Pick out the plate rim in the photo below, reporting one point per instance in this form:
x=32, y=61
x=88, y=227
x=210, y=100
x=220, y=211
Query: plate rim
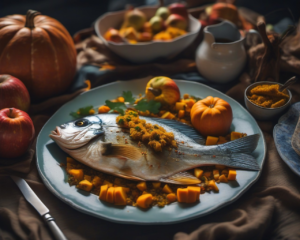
x=135, y=222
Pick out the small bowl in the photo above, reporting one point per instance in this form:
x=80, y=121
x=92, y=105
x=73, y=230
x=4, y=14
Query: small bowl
x=145, y=52
x=262, y=113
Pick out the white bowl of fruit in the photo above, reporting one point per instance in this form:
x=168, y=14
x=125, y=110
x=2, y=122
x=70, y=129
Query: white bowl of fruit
x=146, y=34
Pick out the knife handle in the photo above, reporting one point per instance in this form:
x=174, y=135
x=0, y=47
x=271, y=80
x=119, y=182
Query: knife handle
x=58, y=234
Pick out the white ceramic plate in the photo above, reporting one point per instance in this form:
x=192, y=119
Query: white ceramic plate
x=49, y=156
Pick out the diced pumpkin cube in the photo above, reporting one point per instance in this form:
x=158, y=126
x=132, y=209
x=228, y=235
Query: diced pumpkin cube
x=211, y=140
x=207, y=174
x=85, y=185
x=103, y=192
x=193, y=194
x=232, y=175
x=181, y=114
x=179, y=106
x=165, y=115
x=120, y=196
x=182, y=195
x=71, y=166
x=222, y=140
x=198, y=172
x=220, y=167
x=171, y=197
x=167, y=189
x=87, y=177
x=190, y=102
x=144, y=201
x=109, y=184
x=156, y=184
x=223, y=178
x=71, y=160
x=236, y=135
x=142, y=186
x=77, y=174
x=110, y=195
x=216, y=174
x=121, y=99
x=212, y=184
x=96, y=181
x=103, y=109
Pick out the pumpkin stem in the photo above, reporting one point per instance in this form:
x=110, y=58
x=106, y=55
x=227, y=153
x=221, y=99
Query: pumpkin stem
x=155, y=91
x=30, y=15
x=211, y=106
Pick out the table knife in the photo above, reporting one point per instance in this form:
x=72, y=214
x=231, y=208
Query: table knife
x=33, y=199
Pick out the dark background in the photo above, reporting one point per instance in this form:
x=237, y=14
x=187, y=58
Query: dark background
x=78, y=14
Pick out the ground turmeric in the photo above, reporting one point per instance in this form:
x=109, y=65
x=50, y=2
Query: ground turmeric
x=268, y=96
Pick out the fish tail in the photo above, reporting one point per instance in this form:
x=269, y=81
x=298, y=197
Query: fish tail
x=241, y=160
x=123, y=150
x=184, y=178
x=242, y=145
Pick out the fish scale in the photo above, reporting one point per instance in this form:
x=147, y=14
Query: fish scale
x=166, y=166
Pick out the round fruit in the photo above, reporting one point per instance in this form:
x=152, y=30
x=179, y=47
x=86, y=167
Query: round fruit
x=212, y=116
x=13, y=93
x=39, y=51
x=16, y=132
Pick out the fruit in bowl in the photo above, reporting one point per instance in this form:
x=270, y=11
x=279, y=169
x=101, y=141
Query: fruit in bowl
x=144, y=45
x=175, y=16
x=16, y=132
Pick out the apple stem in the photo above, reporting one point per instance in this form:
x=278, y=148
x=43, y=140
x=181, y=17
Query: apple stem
x=30, y=15
x=156, y=92
x=10, y=112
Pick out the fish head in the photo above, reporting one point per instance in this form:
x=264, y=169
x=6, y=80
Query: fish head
x=75, y=134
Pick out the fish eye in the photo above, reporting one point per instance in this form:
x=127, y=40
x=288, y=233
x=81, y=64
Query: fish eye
x=81, y=123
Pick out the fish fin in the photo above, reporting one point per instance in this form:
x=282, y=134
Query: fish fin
x=184, y=178
x=242, y=145
x=124, y=150
x=184, y=129
x=134, y=178
x=240, y=160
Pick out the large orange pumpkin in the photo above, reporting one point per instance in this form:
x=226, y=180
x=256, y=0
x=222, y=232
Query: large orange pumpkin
x=212, y=116
x=39, y=51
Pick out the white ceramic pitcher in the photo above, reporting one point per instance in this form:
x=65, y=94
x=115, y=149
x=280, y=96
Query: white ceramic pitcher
x=221, y=61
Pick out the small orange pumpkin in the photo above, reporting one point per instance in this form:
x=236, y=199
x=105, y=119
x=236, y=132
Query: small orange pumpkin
x=212, y=116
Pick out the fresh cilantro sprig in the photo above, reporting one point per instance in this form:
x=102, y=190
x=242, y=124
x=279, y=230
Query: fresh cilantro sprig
x=81, y=112
x=151, y=106
x=116, y=106
x=128, y=97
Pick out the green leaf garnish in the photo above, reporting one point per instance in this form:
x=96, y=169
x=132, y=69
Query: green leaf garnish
x=121, y=121
x=81, y=112
x=117, y=106
x=137, y=128
x=152, y=106
x=128, y=97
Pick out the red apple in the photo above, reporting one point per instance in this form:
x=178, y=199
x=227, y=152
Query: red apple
x=162, y=89
x=177, y=21
x=178, y=8
x=113, y=35
x=16, y=132
x=13, y=93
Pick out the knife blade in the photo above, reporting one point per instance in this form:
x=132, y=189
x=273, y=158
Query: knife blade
x=39, y=206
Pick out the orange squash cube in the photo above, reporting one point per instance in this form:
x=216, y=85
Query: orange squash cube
x=142, y=186
x=167, y=189
x=120, y=196
x=96, y=181
x=193, y=194
x=181, y=114
x=171, y=197
x=110, y=195
x=212, y=184
x=77, y=174
x=216, y=174
x=179, y=106
x=156, y=184
x=182, y=195
x=103, y=109
x=103, y=192
x=222, y=140
x=236, y=135
x=232, y=175
x=145, y=200
x=85, y=185
x=223, y=178
x=198, y=172
x=211, y=140
x=207, y=174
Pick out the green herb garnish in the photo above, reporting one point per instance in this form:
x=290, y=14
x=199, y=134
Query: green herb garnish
x=116, y=106
x=128, y=97
x=121, y=121
x=152, y=106
x=81, y=112
x=137, y=128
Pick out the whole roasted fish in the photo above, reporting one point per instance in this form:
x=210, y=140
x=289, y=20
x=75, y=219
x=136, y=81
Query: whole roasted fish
x=98, y=142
